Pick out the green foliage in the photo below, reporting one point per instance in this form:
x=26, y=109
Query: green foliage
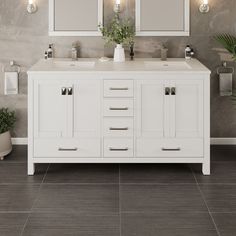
x=118, y=31
x=7, y=120
x=228, y=42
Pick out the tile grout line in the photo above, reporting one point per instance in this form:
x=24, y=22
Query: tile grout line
x=115, y=183
x=40, y=186
x=202, y=195
x=119, y=201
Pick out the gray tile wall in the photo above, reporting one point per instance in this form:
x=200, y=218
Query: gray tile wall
x=24, y=38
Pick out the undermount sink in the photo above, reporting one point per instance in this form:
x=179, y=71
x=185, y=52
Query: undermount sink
x=167, y=65
x=75, y=64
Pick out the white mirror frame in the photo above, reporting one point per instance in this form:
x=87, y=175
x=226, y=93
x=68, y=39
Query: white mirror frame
x=185, y=32
x=53, y=32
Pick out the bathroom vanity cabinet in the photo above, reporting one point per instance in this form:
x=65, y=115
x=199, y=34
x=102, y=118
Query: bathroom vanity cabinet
x=132, y=112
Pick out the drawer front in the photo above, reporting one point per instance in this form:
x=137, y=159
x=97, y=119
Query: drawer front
x=118, y=148
x=118, y=107
x=170, y=148
x=118, y=88
x=118, y=127
x=67, y=148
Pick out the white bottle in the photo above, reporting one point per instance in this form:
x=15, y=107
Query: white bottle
x=188, y=53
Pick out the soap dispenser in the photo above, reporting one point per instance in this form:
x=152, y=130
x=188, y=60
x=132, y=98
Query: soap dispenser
x=50, y=51
x=188, y=52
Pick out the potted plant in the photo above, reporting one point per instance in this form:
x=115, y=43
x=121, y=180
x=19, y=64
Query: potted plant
x=7, y=121
x=228, y=42
x=121, y=32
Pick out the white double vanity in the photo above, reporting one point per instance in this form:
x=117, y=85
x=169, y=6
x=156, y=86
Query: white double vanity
x=142, y=111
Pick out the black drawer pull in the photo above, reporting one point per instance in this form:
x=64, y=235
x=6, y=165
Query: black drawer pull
x=119, y=129
x=119, y=108
x=171, y=149
x=119, y=149
x=67, y=149
x=119, y=89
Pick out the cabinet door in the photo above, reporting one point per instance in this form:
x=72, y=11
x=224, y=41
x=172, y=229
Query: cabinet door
x=86, y=109
x=186, y=116
x=50, y=109
x=150, y=108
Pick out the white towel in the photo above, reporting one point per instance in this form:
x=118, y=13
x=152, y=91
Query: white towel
x=226, y=84
x=11, y=83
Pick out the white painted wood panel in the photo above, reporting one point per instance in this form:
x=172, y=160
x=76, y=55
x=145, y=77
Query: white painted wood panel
x=188, y=103
x=123, y=148
x=175, y=148
x=118, y=107
x=149, y=125
x=118, y=127
x=66, y=148
x=86, y=108
x=118, y=88
x=150, y=108
x=50, y=108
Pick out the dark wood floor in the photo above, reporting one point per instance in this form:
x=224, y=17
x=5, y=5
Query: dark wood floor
x=118, y=200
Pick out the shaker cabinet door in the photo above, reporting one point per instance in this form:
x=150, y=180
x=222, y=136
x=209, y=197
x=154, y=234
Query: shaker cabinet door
x=150, y=108
x=170, y=118
x=187, y=109
x=50, y=108
x=86, y=109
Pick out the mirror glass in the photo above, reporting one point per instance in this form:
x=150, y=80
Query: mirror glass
x=151, y=17
x=76, y=15
x=162, y=17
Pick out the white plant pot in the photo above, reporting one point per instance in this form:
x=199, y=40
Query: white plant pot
x=5, y=144
x=119, y=54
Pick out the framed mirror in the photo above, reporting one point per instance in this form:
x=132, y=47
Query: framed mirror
x=75, y=17
x=162, y=17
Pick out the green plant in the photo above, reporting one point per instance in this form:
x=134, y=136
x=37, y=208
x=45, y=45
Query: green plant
x=118, y=31
x=7, y=120
x=228, y=42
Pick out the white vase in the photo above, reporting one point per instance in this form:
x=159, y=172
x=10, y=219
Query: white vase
x=119, y=54
x=5, y=144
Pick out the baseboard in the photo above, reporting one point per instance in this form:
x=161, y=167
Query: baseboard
x=214, y=141
x=19, y=141
x=223, y=141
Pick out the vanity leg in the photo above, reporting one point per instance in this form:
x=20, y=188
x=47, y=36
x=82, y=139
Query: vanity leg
x=206, y=168
x=31, y=168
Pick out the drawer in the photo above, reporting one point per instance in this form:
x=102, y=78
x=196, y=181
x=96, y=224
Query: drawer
x=118, y=107
x=118, y=127
x=170, y=148
x=118, y=88
x=67, y=148
x=118, y=148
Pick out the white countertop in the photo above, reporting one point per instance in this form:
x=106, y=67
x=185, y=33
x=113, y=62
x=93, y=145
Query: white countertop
x=173, y=65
